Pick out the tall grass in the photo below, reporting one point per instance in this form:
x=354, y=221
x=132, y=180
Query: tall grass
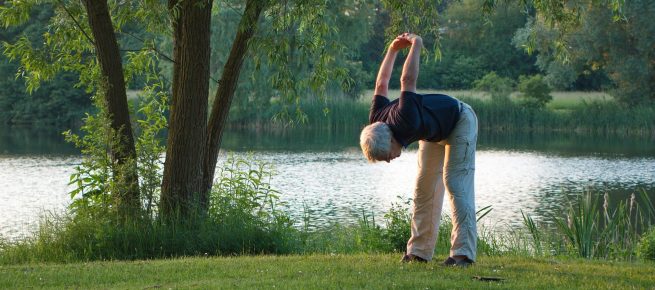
x=588, y=117
x=243, y=218
x=246, y=217
x=590, y=228
x=584, y=229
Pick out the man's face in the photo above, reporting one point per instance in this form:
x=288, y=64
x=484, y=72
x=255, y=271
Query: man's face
x=395, y=151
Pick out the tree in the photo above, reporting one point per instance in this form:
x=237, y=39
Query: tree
x=296, y=30
x=487, y=37
x=608, y=41
x=194, y=140
x=498, y=87
x=535, y=92
x=123, y=151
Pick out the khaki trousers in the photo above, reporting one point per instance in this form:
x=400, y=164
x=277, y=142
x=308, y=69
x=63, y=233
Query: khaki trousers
x=448, y=165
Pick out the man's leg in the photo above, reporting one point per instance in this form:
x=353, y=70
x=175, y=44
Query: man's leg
x=459, y=180
x=428, y=200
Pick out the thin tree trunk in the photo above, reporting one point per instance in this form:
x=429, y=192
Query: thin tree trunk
x=225, y=92
x=123, y=153
x=182, y=187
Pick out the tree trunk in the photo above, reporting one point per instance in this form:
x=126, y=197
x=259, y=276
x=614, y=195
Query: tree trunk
x=123, y=152
x=225, y=92
x=182, y=187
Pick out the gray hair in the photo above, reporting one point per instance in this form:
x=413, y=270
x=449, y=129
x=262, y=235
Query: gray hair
x=375, y=141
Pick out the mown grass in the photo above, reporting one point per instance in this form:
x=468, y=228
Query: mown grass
x=375, y=271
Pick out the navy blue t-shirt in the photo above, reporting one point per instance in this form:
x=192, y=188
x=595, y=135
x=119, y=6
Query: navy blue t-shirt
x=413, y=117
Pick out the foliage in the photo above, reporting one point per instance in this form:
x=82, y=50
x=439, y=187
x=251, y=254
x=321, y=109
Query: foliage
x=610, y=234
x=255, y=93
x=420, y=17
x=535, y=233
x=581, y=225
x=535, y=92
x=458, y=72
x=398, y=221
x=594, y=117
x=244, y=218
x=471, y=44
x=151, y=121
x=499, y=87
x=486, y=37
x=58, y=102
x=243, y=191
x=603, y=46
x=92, y=180
x=646, y=248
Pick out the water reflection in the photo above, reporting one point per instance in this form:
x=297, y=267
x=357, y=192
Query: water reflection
x=49, y=140
x=569, y=144
x=324, y=171
x=17, y=140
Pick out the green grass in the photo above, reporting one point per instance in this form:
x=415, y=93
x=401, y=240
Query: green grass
x=330, y=272
x=590, y=113
x=568, y=100
x=561, y=100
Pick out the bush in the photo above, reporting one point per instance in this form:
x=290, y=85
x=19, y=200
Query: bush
x=646, y=247
x=242, y=219
x=535, y=92
x=498, y=87
x=398, y=221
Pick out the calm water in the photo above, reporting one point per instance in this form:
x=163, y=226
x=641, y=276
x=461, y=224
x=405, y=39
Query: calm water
x=325, y=172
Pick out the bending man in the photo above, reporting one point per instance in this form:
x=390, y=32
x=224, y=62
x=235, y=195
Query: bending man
x=447, y=131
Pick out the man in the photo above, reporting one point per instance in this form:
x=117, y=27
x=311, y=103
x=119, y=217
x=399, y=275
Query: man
x=446, y=130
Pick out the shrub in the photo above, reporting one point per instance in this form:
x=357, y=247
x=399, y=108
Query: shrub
x=398, y=220
x=498, y=87
x=534, y=90
x=646, y=247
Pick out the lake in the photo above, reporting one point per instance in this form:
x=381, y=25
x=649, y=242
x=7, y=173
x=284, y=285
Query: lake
x=324, y=172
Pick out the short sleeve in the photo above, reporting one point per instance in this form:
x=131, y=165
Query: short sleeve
x=378, y=103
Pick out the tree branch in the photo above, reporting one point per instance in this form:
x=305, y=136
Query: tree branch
x=61, y=3
x=156, y=50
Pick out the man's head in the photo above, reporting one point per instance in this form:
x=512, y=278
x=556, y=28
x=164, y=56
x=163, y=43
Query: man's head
x=378, y=143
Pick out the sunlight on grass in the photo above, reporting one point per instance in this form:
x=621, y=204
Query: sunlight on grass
x=330, y=271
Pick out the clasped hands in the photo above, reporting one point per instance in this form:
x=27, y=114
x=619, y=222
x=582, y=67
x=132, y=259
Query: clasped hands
x=405, y=40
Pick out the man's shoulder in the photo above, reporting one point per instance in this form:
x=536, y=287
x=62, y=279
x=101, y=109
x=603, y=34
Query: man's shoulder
x=380, y=98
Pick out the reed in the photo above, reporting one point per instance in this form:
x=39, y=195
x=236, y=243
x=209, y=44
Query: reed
x=590, y=228
x=587, y=228
x=595, y=117
x=535, y=234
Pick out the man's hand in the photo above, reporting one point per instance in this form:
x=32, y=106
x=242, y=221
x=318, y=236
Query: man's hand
x=400, y=42
x=412, y=38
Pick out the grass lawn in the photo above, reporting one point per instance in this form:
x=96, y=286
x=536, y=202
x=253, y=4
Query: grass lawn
x=326, y=271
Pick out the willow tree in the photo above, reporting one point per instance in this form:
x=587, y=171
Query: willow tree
x=82, y=38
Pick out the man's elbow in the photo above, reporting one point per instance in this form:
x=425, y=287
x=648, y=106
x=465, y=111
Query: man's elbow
x=408, y=82
x=381, y=87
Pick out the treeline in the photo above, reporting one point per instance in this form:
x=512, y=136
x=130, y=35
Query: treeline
x=599, y=54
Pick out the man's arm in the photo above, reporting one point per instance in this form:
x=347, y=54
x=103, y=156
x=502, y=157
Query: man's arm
x=410, y=68
x=382, y=82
